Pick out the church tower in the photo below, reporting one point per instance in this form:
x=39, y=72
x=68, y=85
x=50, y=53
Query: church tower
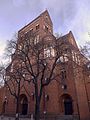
x=40, y=26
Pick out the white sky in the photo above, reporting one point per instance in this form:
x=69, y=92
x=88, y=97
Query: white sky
x=66, y=15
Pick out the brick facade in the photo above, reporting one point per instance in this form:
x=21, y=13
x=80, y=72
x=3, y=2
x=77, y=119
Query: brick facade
x=70, y=96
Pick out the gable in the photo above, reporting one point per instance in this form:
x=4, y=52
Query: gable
x=72, y=39
x=47, y=18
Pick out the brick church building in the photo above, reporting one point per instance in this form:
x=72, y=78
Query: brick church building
x=68, y=95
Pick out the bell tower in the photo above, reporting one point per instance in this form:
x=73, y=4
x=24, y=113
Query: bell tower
x=42, y=25
x=47, y=22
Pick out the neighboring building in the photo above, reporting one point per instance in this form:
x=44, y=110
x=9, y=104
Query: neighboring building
x=71, y=95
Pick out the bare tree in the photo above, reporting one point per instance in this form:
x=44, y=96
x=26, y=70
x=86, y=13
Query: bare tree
x=12, y=82
x=35, y=61
x=85, y=50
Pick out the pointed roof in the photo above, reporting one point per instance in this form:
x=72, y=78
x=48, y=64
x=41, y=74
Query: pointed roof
x=72, y=39
x=42, y=14
x=69, y=38
x=47, y=13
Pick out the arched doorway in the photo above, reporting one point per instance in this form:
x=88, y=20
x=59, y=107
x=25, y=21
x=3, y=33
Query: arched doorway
x=23, y=108
x=67, y=104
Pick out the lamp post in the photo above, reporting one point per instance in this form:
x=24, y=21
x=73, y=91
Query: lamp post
x=6, y=99
x=5, y=102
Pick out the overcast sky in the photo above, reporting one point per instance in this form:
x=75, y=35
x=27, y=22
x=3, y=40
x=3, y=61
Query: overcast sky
x=66, y=15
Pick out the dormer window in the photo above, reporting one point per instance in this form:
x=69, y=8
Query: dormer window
x=37, y=26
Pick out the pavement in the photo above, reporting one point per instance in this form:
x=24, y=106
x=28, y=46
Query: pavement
x=13, y=118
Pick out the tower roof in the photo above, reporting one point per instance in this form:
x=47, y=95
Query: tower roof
x=69, y=38
x=42, y=14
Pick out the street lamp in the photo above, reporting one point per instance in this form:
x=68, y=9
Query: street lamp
x=4, y=104
x=5, y=99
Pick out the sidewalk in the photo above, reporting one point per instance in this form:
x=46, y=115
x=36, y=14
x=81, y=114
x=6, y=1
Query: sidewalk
x=12, y=118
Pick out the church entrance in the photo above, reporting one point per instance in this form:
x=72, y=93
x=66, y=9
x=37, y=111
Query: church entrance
x=67, y=104
x=23, y=104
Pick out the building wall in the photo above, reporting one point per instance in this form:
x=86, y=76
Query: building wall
x=75, y=82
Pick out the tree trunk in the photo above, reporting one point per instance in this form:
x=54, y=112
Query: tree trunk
x=37, y=102
x=37, y=111
x=17, y=109
x=17, y=103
